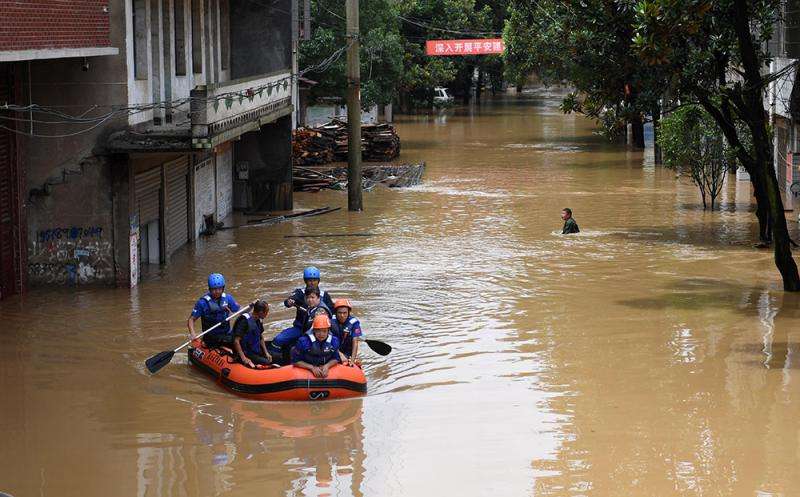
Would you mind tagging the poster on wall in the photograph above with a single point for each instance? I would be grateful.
(134, 250)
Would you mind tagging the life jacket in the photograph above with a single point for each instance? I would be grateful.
(299, 298)
(344, 332)
(321, 352)
(251, 342)
(215, 314)
(312, 313)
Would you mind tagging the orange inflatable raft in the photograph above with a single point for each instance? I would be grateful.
(277, 383)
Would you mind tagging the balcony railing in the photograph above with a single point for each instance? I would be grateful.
(223, 111)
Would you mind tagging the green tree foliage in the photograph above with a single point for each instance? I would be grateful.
(393, 60)
(715, 53)
(443, 19)
(381, 50)
(693, 145)
(588, 43)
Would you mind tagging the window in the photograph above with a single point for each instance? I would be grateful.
(140, 36)
(197, 36)
(179, 15)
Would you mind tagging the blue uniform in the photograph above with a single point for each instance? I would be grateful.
(299, 297)
(346, 333)
(309, 349)
(212, 311)
(250, 330)
(287, 338)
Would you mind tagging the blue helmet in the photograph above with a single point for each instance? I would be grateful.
(311, 273)
(216, 280)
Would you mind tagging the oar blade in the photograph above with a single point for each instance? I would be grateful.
(159, 360)
(379, 347)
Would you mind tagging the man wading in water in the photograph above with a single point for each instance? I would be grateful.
(570, 226)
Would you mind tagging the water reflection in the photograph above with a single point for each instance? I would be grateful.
(310, 449)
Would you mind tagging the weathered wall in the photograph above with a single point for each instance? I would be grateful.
(224, 166)
(70, 235)
(69, 181)
(204, 201)
(269, 154)
(261, 38)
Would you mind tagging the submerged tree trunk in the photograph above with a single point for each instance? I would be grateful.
(478, 85)
(749, 101)
(637, 131)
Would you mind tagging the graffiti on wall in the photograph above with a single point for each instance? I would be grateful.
(72, 233)
(71, 256)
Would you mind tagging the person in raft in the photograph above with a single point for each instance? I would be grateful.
(285, 340)
(311, 277)
(302, 320)
(319, 351)
(570, 226)
(212, 308)
(347, 329)
(248, 340)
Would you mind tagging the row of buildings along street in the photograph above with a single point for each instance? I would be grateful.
(129, 126)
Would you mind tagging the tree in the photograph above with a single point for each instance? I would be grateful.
(424, 20)
(700, 44)
(381, 50)
(693, 145)
(588, 43)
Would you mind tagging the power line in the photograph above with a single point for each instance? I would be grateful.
(128, 111)
(434, 28)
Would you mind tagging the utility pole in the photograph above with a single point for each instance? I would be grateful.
(354, 200)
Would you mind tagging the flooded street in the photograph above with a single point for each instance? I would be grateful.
(653, 354)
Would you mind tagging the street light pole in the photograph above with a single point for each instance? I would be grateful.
(354, 200)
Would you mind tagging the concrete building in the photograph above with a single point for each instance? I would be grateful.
(128, 125)
(783, 101)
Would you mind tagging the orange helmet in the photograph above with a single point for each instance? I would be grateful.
(342, 303)
(321, 321)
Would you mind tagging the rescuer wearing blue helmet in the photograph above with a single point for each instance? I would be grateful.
(212, 308)
(286, 339)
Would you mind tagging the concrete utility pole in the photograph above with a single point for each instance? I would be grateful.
(354, 200)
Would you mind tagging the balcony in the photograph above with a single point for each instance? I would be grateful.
(223, 111)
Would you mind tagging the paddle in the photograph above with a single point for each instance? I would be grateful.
(380, 348)
(158, 361)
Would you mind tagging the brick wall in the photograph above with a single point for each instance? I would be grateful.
(49, 24)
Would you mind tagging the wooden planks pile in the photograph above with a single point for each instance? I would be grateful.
(335, 177)
(329, 142)
(312, 146)
(381, 142)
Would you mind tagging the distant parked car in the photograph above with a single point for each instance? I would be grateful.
(441, 97)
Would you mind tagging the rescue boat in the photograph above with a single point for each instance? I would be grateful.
(276, 383)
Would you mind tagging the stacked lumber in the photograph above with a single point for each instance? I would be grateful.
(312, 146)
(335, 177)
(329, 142)
(311, 180)
(381, 142)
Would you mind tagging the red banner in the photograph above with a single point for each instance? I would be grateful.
(465, 47)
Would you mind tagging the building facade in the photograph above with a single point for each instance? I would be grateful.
(783, 101)
(128, 139)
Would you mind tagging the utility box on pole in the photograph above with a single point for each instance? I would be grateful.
(354, 200)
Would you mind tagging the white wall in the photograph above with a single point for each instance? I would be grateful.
(320, 114)
(224, 183)
(205, 198)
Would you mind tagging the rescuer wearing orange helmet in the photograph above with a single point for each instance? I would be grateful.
(318, 351)
(347, 329)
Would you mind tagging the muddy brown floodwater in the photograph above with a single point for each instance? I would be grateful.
(653, 354)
